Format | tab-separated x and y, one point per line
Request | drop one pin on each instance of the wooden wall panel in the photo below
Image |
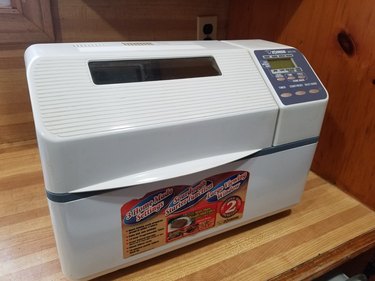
97	20
346	151
16	121
94	20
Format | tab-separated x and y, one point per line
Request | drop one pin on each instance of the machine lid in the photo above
77	94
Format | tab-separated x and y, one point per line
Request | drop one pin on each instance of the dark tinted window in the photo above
126	71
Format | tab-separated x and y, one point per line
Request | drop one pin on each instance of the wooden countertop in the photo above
324	230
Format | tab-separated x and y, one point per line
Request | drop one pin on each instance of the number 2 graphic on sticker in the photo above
230	206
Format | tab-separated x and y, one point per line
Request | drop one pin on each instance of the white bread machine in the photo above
150	146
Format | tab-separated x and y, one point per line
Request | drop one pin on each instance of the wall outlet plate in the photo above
206	27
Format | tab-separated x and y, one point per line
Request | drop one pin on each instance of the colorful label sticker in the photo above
174	212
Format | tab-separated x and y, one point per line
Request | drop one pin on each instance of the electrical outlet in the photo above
207	28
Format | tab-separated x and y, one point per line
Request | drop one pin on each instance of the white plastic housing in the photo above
142	136
89	133
297	121
88	231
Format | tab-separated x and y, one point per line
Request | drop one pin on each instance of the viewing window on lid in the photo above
128	71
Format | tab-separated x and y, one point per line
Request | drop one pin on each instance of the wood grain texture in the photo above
79	20
346	151
324	230
28	22
16	121
96	20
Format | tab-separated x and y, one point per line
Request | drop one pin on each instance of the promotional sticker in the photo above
175	212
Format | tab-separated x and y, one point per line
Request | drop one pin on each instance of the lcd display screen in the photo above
281	63
127	71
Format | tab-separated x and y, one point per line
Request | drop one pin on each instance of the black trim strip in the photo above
282	147
68	197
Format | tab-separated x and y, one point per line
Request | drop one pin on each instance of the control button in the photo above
286	95
300	93
314	91
291	77
280	79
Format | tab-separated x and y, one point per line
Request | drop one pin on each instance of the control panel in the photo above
290	75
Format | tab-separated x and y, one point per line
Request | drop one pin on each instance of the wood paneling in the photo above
346	151
97	20
16	121
324	230
94	20
27	22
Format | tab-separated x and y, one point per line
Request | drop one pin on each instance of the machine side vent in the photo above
85	45
137	43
